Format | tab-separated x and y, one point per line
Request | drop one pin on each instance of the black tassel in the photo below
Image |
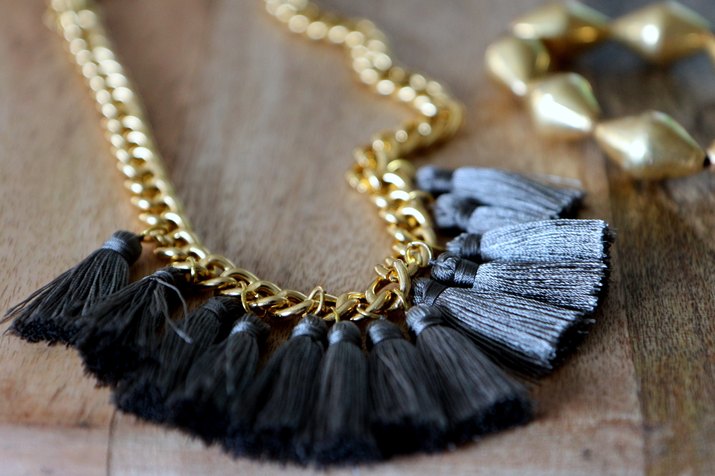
48	314
531	336
547	240
339	430
147	391
573	284
501	189
405	410
477	396
452	211
124	330
279	402
217	380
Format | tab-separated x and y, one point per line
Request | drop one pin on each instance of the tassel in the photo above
434	180
145	394
48	314
501	189
406	413
530	336
217	380
452	211
573	284
339	431
547	240
124	330
477	396
279	402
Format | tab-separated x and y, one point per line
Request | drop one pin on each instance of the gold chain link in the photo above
380	169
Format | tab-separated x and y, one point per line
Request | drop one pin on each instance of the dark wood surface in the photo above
257	126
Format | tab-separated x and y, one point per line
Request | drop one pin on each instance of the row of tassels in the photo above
318	399
523	288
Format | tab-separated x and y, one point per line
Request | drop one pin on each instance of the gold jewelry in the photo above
520	286
650	145
381	170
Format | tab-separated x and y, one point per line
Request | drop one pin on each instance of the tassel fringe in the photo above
477	396
124	331
520	287
50	313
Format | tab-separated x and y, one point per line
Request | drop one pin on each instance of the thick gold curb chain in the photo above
380	170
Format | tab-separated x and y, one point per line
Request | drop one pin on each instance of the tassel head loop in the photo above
381	330
449	267
127	244
422	317
466	245
344	331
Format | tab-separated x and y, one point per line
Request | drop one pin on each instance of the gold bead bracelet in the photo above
650	145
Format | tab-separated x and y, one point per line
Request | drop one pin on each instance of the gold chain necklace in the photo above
381	170
520	286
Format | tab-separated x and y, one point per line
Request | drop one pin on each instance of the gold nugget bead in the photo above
563	105
564	27
514	62
650	146
663	32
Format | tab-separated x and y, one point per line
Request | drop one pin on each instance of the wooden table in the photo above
257	127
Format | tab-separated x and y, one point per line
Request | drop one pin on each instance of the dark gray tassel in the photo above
48	313
217	380
147	391
279	402
339	430
547	240
574	284
405	410
452	211
124	330
477	396
531	336
501	189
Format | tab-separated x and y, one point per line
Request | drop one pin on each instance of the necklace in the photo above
519	286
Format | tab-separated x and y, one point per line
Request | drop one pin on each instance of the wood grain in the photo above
257	127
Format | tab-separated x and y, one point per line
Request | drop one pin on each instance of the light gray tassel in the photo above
546	240
459	211
501	189
530	336
573	284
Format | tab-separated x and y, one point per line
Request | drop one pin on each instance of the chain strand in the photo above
380	170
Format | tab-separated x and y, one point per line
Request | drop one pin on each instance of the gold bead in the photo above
563	27
650	146
514	62
663	32
563	105
710	47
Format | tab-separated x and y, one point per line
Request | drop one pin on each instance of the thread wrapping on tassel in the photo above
406	414
477	396
217	380
545	240
501	189
123	331
49	314
573	284
339	429
147	391
278	403
452	211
